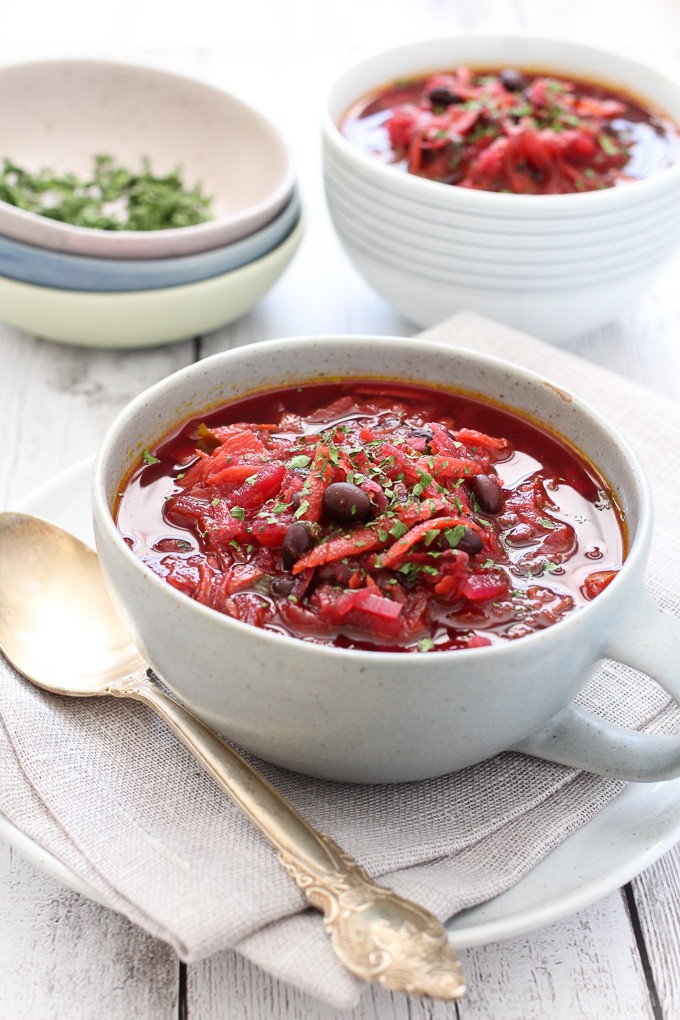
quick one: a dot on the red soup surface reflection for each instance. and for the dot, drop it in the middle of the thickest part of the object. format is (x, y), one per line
(371, 515)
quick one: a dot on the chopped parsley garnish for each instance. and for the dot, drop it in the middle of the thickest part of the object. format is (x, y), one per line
(112, 197)
(607, 145)
(454, 535)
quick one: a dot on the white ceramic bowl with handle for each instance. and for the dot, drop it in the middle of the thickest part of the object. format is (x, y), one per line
(370, 716)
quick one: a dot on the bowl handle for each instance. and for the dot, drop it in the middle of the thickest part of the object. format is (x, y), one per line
(650, 643)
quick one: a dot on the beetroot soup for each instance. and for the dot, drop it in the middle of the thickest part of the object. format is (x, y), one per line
(512, 131)
(370, 515)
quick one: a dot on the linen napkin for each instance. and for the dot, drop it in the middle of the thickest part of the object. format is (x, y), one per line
(106, 788)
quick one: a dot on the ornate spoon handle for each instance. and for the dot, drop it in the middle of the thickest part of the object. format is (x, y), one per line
(377, 935)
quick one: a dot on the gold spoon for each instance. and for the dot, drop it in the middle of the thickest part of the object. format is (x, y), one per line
(60, 630)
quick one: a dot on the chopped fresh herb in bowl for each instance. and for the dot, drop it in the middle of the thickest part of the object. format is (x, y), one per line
(112, 198)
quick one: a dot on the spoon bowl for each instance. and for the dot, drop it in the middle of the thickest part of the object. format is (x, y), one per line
(60, 630)
(57, 625)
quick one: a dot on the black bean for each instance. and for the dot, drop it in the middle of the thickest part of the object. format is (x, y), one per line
(334, 573)
(345, 503)
(441, 95)
(470, 543)
(488, 493)
(424, 433)
(296, 542)
(282, 585)
(513, 80)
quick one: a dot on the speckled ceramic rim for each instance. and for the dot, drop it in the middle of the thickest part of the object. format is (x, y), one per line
(428, 55)
(633, 489)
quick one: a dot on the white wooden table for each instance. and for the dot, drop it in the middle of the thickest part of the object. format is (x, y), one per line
(64, 957)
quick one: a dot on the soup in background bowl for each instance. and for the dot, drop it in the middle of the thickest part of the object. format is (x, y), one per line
(513, 131)
(328, 689)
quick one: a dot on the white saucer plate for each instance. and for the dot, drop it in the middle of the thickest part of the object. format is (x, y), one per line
(626, 837)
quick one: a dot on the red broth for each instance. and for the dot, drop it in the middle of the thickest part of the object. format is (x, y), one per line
(511, 131)
(366, 516)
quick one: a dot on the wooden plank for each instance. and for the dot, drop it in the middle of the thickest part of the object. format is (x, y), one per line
(65, 958)
(251, 993)
(657, 898)
(56, 401)
(583, 968)
(84, 961)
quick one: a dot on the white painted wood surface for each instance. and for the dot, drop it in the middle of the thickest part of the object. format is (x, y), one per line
(63, 958)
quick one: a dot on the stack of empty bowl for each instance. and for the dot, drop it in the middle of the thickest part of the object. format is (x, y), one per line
(127, 288)
(554, 265)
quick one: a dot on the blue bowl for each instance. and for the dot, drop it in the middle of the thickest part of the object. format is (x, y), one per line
(46, 268)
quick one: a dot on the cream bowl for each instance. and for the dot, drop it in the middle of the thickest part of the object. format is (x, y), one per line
(363, 716)
(144, 318)
(391, 215)
(61, 113)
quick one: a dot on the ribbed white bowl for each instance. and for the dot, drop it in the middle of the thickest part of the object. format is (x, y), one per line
(553, 264)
